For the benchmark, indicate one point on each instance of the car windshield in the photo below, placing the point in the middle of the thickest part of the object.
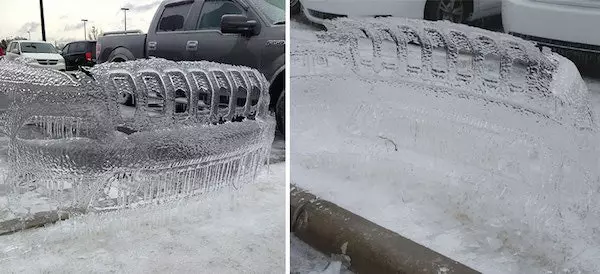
(28, 47)
(274, 10)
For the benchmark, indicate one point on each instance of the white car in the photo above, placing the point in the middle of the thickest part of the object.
(42, 54)
(457, 11)
(562, 24)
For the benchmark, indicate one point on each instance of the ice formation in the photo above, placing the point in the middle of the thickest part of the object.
(195, 127)
(509, 125)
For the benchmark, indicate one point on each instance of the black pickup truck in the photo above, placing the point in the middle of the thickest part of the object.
(239, 32)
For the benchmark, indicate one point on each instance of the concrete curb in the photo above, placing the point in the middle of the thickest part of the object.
(369, 247)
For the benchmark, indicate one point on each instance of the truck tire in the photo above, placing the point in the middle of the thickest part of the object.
(122, 55)
(126, 99)
(280, 113)
(457, 11)
(295, 6)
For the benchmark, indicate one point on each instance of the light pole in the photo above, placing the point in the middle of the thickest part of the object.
(125, 13)
(43, 22)
(84, 29)
(29, 33)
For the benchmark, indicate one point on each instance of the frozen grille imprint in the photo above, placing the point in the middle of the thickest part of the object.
(488, 65)
(480, 124)
(190, 130)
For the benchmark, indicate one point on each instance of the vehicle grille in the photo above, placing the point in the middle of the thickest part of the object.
(47, 62)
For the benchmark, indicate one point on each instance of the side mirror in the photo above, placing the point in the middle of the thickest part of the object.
(237, 23)
(15, 51)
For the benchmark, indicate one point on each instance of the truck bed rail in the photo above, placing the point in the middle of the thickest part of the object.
(127, 32)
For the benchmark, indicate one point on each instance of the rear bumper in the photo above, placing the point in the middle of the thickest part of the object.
(560, 45)
(554, 22)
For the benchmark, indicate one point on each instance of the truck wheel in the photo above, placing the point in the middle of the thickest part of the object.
(122, 55)
(295, 6)
(280, 113)
(126, 99)
(457, 11)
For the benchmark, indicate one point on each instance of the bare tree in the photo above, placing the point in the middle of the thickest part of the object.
(60, 45)
(94, 33)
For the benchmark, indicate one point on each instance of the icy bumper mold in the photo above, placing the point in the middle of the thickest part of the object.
(194, 127)
(484, 125)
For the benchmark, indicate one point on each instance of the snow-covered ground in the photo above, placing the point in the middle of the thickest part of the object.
(235, 231)
(304, 259)
(594, 88)
(340, 154)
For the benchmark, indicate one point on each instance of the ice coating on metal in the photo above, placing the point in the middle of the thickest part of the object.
(508, 127)
(73, 142)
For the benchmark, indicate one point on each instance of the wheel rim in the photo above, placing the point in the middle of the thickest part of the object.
(123, 97)
(451, 10)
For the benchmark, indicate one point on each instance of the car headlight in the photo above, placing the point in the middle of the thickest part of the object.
(61, 61)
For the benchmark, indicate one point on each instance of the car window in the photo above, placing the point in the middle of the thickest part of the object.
(274, 10)
(79, 47)
(66, 49)
(11, 46)
(213, 10)
(32, 47)
(173, 17)
(91, 46)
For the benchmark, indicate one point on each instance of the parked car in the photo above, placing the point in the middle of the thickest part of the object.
(1, 51)
(239, 32)
(457, 11)
(79, 54)
(566, 26)
(42, 54)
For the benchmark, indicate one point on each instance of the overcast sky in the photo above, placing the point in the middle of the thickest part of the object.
(63, 17)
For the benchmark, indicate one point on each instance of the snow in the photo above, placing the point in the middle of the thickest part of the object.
(229, 231)
(502, 190)
(594, 88)
(304, 259)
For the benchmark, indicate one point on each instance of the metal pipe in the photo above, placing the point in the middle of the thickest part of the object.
(368, 247)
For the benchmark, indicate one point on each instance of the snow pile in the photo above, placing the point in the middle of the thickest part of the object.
(306, 260)
(480, 130)
(196, 127)
(223, 232)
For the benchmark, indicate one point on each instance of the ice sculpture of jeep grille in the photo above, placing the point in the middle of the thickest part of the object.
(190, 128)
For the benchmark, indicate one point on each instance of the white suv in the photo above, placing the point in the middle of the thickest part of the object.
(562, 24)
(42, 54)
(457, 11)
